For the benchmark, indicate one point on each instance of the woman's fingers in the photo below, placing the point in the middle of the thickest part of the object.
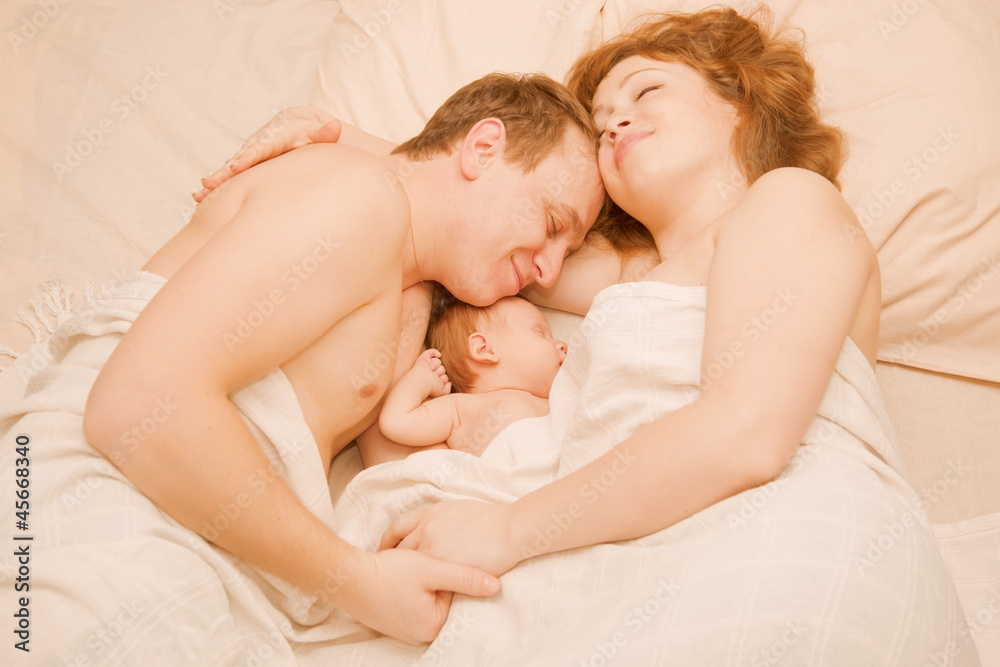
(398, 530)
(328, 133)
(220, 176)
(288, 129)
(223, 174)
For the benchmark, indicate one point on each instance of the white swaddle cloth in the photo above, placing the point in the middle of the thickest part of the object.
(832, 563)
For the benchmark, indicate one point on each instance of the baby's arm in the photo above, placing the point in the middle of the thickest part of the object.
(407, 417)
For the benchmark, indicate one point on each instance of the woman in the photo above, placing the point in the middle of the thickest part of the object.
(714, 154)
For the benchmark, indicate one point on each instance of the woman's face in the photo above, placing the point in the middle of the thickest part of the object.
(666, 135)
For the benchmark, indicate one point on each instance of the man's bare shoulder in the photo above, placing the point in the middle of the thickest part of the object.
(347, 184)
(336, 157)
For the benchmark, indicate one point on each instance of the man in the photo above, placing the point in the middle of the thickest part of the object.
(300, 263)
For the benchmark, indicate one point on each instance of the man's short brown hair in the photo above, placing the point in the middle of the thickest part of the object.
(534, 109)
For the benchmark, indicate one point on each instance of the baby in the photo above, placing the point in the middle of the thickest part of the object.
(502, 358)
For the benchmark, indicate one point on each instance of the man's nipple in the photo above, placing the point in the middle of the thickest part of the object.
(369, 390)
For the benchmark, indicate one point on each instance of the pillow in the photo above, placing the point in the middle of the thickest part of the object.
(904, 80)
(389, 67)
(391, 64)
(112, 111)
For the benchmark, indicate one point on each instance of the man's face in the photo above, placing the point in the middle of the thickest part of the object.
(524, 225)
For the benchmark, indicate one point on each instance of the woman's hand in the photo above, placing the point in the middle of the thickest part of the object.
(460, 531)
(291, 128)
(407, 595)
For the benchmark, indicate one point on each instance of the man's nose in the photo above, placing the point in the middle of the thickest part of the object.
(548, 264)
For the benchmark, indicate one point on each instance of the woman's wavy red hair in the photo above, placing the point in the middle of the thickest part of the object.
(764, 74)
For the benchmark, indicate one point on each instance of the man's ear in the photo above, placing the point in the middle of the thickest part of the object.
(483, 145)
(480, 349)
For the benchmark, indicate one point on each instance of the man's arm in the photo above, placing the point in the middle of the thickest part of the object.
(180, 352)
(201, 456)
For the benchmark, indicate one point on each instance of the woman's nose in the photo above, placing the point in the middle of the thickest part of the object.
(614, 126)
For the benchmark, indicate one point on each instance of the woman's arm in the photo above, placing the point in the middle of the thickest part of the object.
(408, 417)
(792, 249)
(589, 270)
(290, 129)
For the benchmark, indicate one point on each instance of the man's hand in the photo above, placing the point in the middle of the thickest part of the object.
(408, 594)
(289, 129)
(460, 531)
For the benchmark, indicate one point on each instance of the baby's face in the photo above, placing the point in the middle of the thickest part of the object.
(526, 346)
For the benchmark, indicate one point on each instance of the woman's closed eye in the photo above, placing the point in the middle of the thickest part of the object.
(637, 98)
(646, 90)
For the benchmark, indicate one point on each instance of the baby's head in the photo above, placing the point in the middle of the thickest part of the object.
(504, 346)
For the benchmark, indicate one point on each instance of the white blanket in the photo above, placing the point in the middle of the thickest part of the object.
(112, 579)
(833, 563)
(830, 564)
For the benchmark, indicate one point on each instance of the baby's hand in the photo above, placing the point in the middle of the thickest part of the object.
(429, 363)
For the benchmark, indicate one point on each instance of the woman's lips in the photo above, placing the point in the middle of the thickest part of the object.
(625, 145)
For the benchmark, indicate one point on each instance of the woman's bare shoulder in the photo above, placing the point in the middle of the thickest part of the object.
(799, 205)
(793, 184)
